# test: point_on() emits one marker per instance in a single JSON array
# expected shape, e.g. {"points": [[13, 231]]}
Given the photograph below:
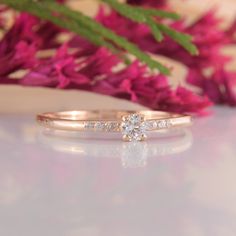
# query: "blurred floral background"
{"points": [[38, 53]]}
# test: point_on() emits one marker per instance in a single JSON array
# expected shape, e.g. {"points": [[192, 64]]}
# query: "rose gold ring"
{"points": [[134, 125]]}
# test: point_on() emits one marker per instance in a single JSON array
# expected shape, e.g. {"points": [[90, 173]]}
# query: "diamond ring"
{"points": [[133, 125]]}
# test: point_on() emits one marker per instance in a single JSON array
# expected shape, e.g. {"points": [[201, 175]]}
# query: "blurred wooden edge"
{"points": [[16, 99]]}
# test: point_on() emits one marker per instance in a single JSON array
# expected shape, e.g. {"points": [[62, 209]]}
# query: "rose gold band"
{"points": [[109, 120]]}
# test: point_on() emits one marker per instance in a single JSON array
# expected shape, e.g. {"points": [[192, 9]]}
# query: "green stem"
{"points": [[182, 39]]}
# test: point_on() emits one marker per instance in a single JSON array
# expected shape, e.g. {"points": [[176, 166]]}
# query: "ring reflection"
{"points": [[132, 154]]}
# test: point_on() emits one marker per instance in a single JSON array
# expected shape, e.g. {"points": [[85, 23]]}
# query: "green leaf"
{"points": [[127, 11], [155, 30], [183, 39]]}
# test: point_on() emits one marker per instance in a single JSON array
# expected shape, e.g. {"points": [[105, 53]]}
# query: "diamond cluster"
{"points": [[157, 124], [133, 127], [102, 126]]}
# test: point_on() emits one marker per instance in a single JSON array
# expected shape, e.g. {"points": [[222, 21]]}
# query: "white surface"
{"points": [[67, 187]]}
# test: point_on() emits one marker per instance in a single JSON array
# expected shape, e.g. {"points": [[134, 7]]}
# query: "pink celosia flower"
{"points": [[17, 48], [220, 88], [133, 84], [20, 44], [231, 32], [84, 46], [66, 70], [59, 71], [20, 31], [21, 57]]}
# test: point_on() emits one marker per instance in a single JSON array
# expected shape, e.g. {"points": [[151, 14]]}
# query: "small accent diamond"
{"points": [[112, 126], [150, 125], [100, 126], [163, 124], [89, 126]]}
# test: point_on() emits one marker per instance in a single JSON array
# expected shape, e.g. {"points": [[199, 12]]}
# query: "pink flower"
{"points": [[220, 87], [133, 84], [18, 47], [59, 71], [84, 46], [20, 44], [67, 70], [47, 33], [100, 63], [21, 57], [231, 32]]}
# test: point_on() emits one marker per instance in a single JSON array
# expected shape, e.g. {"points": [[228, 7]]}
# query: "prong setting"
{"points": [[126, 138], [133, 127], [143, 137], [124, 118]]}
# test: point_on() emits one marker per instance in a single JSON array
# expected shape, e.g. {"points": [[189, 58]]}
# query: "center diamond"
{"points": [[133, 127]]}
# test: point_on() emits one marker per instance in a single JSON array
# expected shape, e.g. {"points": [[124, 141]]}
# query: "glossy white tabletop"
{"points": [[184, 186]]}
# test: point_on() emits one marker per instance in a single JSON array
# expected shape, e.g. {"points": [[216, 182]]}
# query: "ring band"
{"points": [[132, 124]]}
